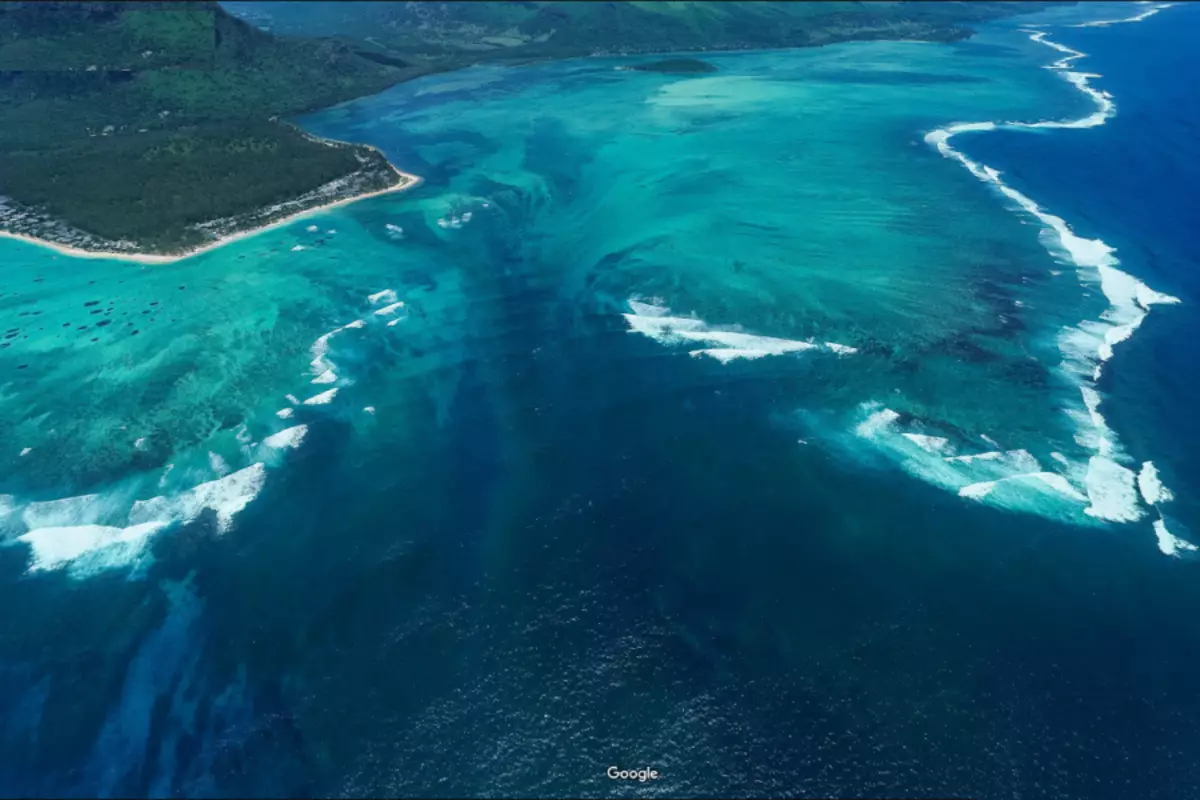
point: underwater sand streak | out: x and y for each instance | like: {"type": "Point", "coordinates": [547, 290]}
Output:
{"type": "Point", "coordinates": [1111, 489]}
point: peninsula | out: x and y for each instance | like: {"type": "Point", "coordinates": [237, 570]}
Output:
{"type": "Point", "coordinates": [158, 129]}
{"type": "Point", "coordinates": [155, 130]}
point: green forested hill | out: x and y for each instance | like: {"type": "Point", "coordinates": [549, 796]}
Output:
{"type": "Point", "coordinates": [492, 30]}
{"type": "Point", "coordinates": [134, 122]}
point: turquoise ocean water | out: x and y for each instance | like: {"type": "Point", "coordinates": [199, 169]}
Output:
{"type": "Point", "coordinates": [765, 427]}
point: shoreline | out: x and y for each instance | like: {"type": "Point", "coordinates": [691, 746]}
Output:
{"type": "Point", "coordinates": [408, 181]}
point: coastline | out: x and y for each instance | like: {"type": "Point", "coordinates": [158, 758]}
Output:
{"type": "Point", "coordinates": [407, 181]}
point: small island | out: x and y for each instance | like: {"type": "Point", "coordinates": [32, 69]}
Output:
{"type": "Point", "coordinates": [674, 66]}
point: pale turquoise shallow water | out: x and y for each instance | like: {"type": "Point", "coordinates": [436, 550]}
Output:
{"type": "Point", "coordinates": [524, 540]}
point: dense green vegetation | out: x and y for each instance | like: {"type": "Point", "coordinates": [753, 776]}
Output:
{"type": "Point", "coordinates": [135, 121]}
{"type": "Point", "coordinates": [423, 32]}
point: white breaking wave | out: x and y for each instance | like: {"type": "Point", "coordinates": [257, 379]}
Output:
{"type": "Point", "coordinates": [1112, 490]}
{"type": "Point", "coordinates": [225, 496]}
{"type": "Point", "coordinates": [49, 513]}
{"type": "Point", "coordinates": [102, 546]}
{"type": "Point", "coordinates": [1151, 487]}
{"type": "Point", "coordinates": [217, 464]}
{"type": "Point", "coordinates": [1168, 543]}
{"type": "Point", "coordinates": [1150, 12]}
{"type": "Point", "coordinates": [320, 348]}
{"type": "Point", "coordinates": [1011, 479]}
{"type": "Point", "coordinates": [931, 444]}
{"type": "Point", "coordinates": [656, 322]}
{"type": "Point", "coordinates": [1019, 461]}
{"type": "Point", "coordinates": [876, 422]}
{"type": "Point", "coordinates": [96, 532]}
{"type": "Point", "coordinates": [390, 309]}
{"type": "Point", "coordinates": [321, 399]}
{"type": "Point", "coordinates": [288, 438]}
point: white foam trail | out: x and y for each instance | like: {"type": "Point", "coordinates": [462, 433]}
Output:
{"type": "Point", "coordinates": [1151, 487]}
{"type": "Point", "coordinates": [1111, 491]}
{"type": "Point", "coordinates": [66, 511]}
{"type": "Point", "coordinates": [1100, 23]}
{"type": "Point", "coordinates": [291, 398]}
{"type": "Point", "coordinates": [1059, 484]}
{"type": "Point", "coordinates": [655, 321]}
{"type": "Point", "coordinates": [217, 464]}
{"type": "Point", "coordinates": [1017, 460]}
{"type": "Point", "coordinates": [284, 413]}
{"type": "Point", "coordinates": [26, 451]}
{"type": "Point", "coordinates": [930, 444]}
{"type": "Point", "coordinates": [320, 348]}
{"type": "Point", "coordinates": [312, 229]}
{"type": "Point", "coordinates": [321, 399]}
{"type": "Point", "coordinates": [390, 309]}
{"type": "Point", "coordinates": [328, 376]}
{"type": "Point", "coordinates": [226, 496]}
{"type": "Point", "coordinates": [298, 248]}
{"type": "Point", "coordinates": [1110, 486]}
{"type": "Point", "coordinates": [386, 296]}
{"type": "Point", "coordinates": [288, 438]}
{"type": "Point", "coordinates": [977, 491]}
{"type": "Point", "coordinates": [1168, 543]}
{"type": "Point", "coordinates": [876, 422]}
{"type": "Point", "coordinates": [53, 548]}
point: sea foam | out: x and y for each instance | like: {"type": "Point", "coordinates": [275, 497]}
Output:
{"type": "Point", "coordinates": [729, 344]}
{"type": "Point", "coordinates": [1112, 490]}
{"type": "Point", "coordinates": [324, 398]}
{"type": "Point", "coordinates": [1151, 487]}
{"type": "Point", "coordinates": [225, 496]}
{"type": "Point", "coordinates": [89, 548]}
{"type": "Point", "coordinates": [289, 438]}
{"type": "Point", "coordinates": [1168, 543]}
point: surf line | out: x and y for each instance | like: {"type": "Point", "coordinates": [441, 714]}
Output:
{"type": "Point", "coordinates": [1129, 299]}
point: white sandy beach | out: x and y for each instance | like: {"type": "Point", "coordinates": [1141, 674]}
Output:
{"type": "Point", "coordinates": [152, 258]}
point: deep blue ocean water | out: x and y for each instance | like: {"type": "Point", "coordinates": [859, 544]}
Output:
{"type": "Point", "coordinates": [1129, 183]}
{"type": "Point", "coordinates": [551, 545]}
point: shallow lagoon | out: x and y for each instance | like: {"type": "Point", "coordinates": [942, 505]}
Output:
{"type": "Point", "coordinates": [521, 542]}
